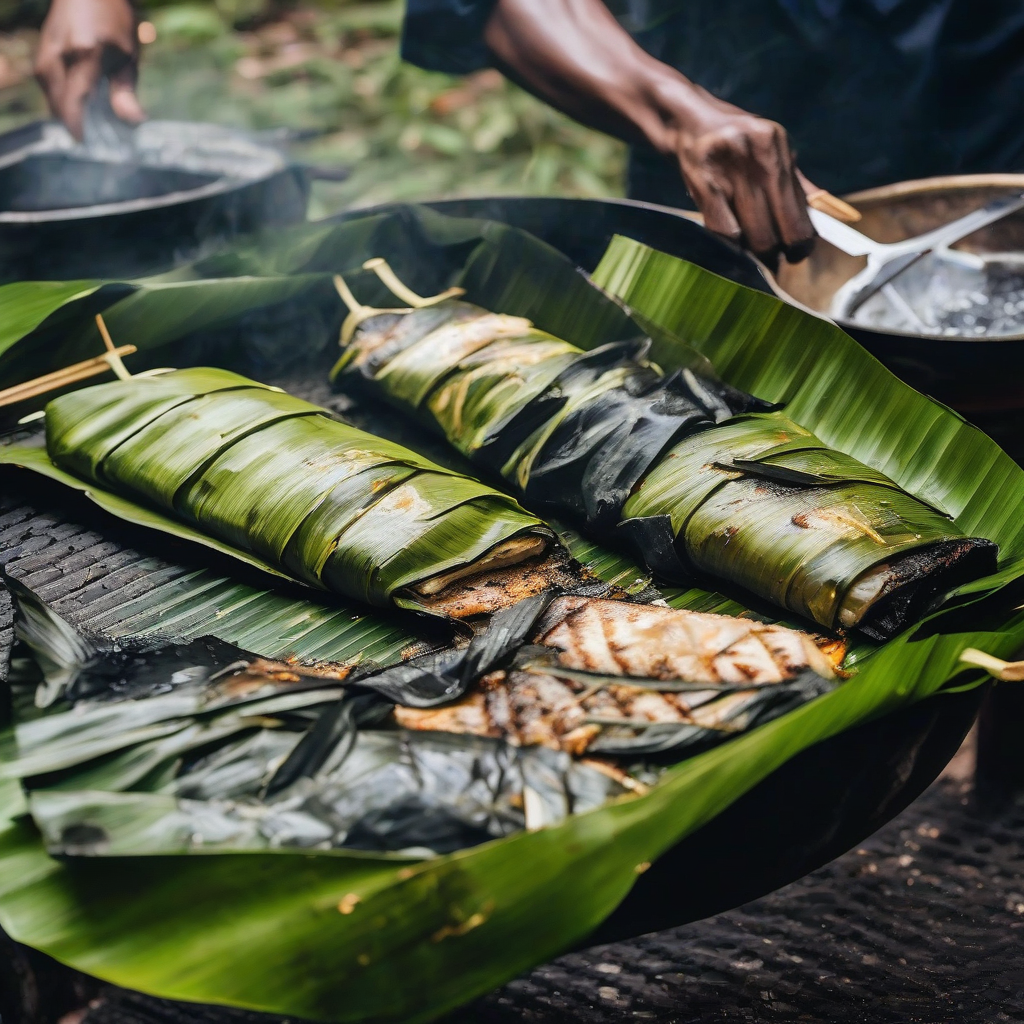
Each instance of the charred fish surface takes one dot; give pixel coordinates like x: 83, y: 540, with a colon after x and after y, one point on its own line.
x: 697, y: 477
x: 320, y: 501
x: 607, y: 677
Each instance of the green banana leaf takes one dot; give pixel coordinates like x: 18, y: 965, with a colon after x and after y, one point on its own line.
x: 36, y: 459
x: 364, y: 939
x: 258, y: 307
x: 340, y: 509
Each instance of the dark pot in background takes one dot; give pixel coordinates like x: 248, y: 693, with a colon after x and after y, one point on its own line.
x: 67, y: 213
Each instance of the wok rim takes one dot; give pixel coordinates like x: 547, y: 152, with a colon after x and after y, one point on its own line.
x: 224, y: 182
x: 901, y: 190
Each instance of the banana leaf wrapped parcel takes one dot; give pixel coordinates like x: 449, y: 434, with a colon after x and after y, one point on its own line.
x: 561, y: 704
x: 697, y: 476
x: 274, y: 476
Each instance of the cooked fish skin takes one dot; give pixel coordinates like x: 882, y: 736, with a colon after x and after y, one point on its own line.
x: 619, y: 638
x: 604, y: 644
x: 487, y: 591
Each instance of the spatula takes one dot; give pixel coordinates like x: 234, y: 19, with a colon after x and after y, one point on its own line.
x: 887, y: 260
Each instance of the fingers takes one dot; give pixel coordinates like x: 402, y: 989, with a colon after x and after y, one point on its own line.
x: 785, y: 197
x: 69, y: 81
x: 123, y: 100
x: 742, y: 175
x: 50, y: 76
x: 80, y: 79
x: 715, y: 205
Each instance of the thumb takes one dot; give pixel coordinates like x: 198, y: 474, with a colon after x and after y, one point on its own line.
x: 124, y: 102
x: 810, y: 189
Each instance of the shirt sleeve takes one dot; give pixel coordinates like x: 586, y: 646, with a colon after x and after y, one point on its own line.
x: 447, y: 35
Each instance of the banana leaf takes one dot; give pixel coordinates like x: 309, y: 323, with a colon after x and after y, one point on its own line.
x: 263, y: 306
x: 411, y: 795
x: 350, y: 938
x: 337, y: 508
x: 222, y: 752
x: 608, y: 440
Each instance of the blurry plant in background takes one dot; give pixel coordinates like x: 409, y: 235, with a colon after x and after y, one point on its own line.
x: 329, y: 76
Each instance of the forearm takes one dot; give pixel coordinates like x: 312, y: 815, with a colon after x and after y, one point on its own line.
x: 738, y: 167
x: 574, y: 55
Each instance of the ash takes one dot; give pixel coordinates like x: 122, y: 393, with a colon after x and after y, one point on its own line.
x: 953, y: 295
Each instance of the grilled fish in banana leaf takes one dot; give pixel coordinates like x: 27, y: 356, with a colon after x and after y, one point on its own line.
x: 164, y: 748
x: 697, y: 476
x: 612, y: 678
x: 315, y: 499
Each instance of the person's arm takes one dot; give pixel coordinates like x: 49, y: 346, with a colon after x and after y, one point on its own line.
x: 81, y: 41
x: 738, y: 168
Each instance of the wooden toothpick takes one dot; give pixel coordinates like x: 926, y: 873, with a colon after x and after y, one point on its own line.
x: 110, y: 360
x: 113, y: 357
x: 63, y: 378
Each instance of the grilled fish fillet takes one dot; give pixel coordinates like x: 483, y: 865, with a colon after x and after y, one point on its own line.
x: 610, y: 664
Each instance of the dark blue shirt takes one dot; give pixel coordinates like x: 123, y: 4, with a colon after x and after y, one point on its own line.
x: 871, y: 91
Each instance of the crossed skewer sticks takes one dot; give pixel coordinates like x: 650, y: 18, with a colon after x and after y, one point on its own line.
x: 108, y: 361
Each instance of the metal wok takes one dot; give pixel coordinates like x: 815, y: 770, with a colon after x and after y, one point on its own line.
x: 67, y: 212
x: 815, y: 807
x: 981, y: 378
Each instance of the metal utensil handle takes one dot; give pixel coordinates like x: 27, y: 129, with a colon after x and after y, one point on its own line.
x: 904, y: 254
x: 954, y: 231
x: 842, y: 236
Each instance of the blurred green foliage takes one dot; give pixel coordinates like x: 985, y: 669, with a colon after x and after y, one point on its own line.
x: 332, y: 73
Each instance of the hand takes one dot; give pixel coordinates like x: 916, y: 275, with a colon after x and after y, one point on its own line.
x: 82, y: 41
x: 740, y: 171
x: 739, y: 168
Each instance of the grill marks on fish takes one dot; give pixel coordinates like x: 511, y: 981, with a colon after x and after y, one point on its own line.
x: 617, y: 638
x: 599, y: 666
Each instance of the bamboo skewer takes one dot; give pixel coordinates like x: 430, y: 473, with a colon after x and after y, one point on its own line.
x: 61, y: 378
x: 113, y: 356
x: 108, y: 361
x: 825, y: 202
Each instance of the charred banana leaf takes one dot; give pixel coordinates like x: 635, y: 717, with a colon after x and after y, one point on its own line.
x: 396, y: 792
x: 274, y: 476
x: 166, y: 748
x: 696, y: 476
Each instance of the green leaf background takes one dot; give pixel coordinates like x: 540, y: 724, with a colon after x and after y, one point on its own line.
x: 265, y: 930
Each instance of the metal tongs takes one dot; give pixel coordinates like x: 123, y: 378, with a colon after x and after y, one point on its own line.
x: 887, y: 260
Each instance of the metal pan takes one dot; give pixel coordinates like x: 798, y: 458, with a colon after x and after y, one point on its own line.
x: 982, y: 378
x: 67, y: 212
